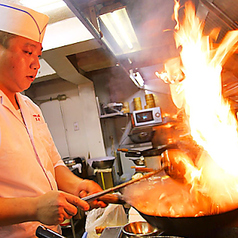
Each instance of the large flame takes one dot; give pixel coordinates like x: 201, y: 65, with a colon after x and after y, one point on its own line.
x: 213, y: 126
x: 212, y: 174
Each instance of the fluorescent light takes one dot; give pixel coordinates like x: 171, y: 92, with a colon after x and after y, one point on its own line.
x: 139, y: 79
x: 43, y: 5
x: 121, y: 30
x: 136, y: 78
x: 119, y: 25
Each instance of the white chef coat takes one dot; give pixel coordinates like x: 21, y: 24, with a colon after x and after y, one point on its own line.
x: 28, y: 157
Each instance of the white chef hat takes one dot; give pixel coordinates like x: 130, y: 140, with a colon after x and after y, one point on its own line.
x: 22, y: 21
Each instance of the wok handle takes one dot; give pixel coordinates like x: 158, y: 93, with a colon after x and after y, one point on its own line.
x: 122, y: 149
x: 130, y: 153
x: 142, y: 169
x: 112, y: 198
x: 133, y: 154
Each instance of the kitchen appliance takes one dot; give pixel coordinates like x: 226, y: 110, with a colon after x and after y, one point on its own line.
x: 104, y: 170
x: 147, y: 116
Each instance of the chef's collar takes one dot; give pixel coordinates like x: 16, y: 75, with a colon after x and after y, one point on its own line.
x: 23, y: 21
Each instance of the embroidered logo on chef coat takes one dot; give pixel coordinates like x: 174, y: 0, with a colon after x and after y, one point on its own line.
x: 37, y: 117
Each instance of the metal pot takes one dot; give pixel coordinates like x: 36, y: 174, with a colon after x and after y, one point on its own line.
x: 168, y: 133
x: 140, y: 229
x: 103, y: 162
x: 141, y: 134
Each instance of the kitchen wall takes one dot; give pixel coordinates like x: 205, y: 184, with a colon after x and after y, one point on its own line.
x: 73, y: 122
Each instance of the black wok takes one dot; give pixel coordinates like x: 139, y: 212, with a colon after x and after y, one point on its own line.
x: 193, y: 227
x: 148, y: 152
x: 104, y: 164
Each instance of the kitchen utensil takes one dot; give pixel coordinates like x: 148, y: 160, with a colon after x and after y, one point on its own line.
x: 148, y: 152
x: 141, y: 134
x: 94, y: 196
x: 102, y: 162
x: 43, y: 232
x: 140, y: 229
x: 193, y: 227
x: 105, y: 164
x: 140, y: 169
x: 175, y: 159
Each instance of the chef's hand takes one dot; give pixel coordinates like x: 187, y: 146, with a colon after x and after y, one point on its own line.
x: 87, y: 187
x: 56, y: 206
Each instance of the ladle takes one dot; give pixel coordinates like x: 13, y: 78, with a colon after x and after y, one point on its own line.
x: 95, y: 196
x: 176, y: 162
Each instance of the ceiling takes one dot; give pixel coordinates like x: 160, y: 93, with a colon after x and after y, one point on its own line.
x: 156, y: 45
x: 152, y: 21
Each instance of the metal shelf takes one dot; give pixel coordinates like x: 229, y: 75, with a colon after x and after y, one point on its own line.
x: 113, y: 114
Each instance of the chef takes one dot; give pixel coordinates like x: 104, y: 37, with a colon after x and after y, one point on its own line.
x: 35, y: 185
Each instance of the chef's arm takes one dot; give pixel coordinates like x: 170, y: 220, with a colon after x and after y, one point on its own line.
x: 17, y: 210
x: 50, y: 209
x: 66, y: 180
x: 70, y: 183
